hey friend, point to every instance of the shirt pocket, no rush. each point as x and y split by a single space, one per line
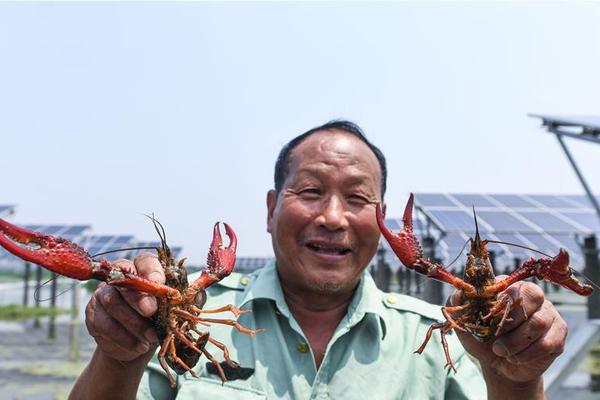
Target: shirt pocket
206 388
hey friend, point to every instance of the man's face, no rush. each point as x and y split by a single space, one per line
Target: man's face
322 222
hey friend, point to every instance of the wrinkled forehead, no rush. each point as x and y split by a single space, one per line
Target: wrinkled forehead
337 149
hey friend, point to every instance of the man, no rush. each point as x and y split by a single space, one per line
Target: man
329 333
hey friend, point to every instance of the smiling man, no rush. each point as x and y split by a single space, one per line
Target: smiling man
329 332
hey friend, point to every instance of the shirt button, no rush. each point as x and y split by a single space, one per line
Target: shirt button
391 299
244 281
302 347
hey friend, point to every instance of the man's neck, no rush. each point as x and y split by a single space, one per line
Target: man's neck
318 316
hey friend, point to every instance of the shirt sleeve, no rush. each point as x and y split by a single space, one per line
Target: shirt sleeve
155 385
467 383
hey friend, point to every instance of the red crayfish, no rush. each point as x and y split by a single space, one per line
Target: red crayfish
484 309
178 313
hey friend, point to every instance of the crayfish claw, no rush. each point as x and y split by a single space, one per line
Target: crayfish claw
557 271
54 253
221 260
404 243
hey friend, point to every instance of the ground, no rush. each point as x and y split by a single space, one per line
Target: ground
33 367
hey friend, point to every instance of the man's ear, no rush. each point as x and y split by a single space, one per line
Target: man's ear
271 201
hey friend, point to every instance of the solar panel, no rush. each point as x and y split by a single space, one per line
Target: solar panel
551 201
586 219
435 200
457 220
512 200
548 222
580 201
470 200
96 244
502 221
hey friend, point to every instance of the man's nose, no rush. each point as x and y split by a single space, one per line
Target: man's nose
332 214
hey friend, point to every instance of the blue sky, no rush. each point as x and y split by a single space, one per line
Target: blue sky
109 111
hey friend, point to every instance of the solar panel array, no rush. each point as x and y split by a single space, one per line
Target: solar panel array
542 222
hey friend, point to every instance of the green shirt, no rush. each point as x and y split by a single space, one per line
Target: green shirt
370 355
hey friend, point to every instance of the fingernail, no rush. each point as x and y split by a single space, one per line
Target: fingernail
500 349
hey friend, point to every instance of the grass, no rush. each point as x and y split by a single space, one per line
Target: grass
591 363
57 370
13 312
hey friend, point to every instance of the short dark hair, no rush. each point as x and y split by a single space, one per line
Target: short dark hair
282 166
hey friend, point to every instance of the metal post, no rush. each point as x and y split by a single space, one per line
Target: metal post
433 288
38 288
400 279
26 284
418 279
592 272
74 336
579 175
52 319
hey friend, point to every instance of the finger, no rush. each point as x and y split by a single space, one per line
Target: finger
101 324
548 346
116 351
147 266
112 302
531 300
542 335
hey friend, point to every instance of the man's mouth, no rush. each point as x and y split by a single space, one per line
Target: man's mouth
328 248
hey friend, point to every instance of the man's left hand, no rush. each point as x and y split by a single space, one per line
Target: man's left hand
527 344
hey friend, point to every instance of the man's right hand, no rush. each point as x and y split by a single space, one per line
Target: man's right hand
118 318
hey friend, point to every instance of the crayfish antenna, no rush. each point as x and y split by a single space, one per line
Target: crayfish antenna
477 245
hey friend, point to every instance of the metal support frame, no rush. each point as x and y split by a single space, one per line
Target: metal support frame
590 132
589 193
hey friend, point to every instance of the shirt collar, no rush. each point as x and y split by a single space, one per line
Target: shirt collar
366 301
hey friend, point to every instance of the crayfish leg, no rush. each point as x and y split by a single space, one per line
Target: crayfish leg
173 354
163 362
233 323
445 328
443 333
225 351
229 307
216 364
504 305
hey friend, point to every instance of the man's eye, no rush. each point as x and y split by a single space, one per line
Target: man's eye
310 192
358 199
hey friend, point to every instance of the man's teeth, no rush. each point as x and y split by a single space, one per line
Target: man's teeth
324 249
